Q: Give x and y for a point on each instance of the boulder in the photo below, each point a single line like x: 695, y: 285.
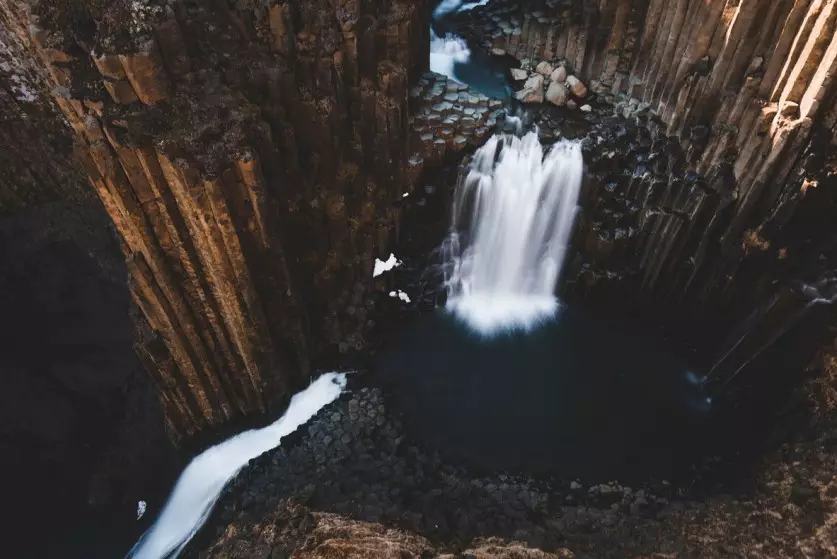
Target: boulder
x: 559, y: 74
x: 557, y: 93
x: 544, y: 68
x: 519, y: 74
x: 577, y: 86
x: 532, y: 91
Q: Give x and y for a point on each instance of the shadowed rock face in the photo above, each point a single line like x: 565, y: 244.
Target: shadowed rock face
x: 81, y: 432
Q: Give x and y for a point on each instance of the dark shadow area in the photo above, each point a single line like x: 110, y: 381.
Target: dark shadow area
x: 577, y: 397
x: 82, y: 437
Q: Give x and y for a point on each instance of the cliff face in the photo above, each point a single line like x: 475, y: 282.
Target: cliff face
x: 250, y: 154
x: 745, y: 93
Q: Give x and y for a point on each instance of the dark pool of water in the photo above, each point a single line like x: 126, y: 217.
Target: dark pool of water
x: 577, y: 397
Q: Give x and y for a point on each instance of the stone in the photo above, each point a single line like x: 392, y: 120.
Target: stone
x: 586, y: 108
x: 532, y: 91
x: 572, y: 105
x: 577, y: 86
x: 519, y: 74
x: 557, y: 94
x: 544, y: 68
x: 559, y: 74
x: 790, y: 109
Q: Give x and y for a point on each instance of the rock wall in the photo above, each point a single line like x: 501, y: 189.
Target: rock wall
x: 745, y: 88
x: 248, y: 153
x: 251, y: 154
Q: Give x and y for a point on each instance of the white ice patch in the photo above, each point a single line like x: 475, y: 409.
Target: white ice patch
x: 141, y: 508
x: 401, y: 295
x: 381, y: 266
x: 199, y: 486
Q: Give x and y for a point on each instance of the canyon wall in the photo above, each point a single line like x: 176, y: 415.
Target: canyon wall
x: 251, y: 154
x: 744, y: 88
x: 248, y: 154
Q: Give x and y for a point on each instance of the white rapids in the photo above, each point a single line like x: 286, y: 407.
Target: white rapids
x: 199, y: 486
x: 513, y: 218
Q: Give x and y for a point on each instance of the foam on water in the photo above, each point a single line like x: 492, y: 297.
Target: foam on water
x: 199, y: 486
x: 447, y: 7
x: 446, y: 52
x: 512, y: 222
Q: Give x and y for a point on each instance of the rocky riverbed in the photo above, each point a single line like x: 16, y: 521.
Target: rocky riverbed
x: 353, y: 483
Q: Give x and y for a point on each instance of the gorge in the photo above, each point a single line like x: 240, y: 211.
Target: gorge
x: 196, y: 199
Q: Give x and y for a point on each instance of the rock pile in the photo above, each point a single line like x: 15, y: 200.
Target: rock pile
x: 550, y: 82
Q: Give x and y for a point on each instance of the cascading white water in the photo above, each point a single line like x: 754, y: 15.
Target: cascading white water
x: 199, y: 486
x: 519, y: 208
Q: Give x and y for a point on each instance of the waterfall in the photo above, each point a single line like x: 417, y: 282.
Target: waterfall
x: 199, y: 486
x: 512, y: 222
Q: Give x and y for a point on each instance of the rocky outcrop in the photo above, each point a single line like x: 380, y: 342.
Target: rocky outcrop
x: 215, y: 168
x: 354, y: 483
x: 744, y: 89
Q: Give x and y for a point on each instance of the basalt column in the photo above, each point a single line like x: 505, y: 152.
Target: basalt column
x: 742, y: 90
x: 248, y: 153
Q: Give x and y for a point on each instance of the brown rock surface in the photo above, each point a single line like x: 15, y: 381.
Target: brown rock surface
x: 223, y: 163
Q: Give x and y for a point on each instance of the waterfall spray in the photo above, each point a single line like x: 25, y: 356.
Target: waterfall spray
x: 513, y: 218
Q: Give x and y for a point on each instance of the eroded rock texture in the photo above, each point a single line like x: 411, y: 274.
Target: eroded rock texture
x: 743, y: 89
x: 248, y: 154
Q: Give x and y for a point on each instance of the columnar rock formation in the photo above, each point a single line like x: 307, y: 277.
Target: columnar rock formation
x: 745, y: 88
x: 248, y: 154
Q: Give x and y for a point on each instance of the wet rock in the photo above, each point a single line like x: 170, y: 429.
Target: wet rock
x: 577, y: 86
x: 557, y: 94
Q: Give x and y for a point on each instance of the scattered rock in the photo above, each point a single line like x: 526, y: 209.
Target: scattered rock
x: 519, y: 74
x: 544, y: 68
x: 557, y: 94
x: 586, y: 108
x: 559, y: 74
x: 577, y: 86
x: 532, y: 91
x: 572, y: 105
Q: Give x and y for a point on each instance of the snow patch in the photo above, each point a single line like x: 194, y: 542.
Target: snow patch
x: 401, y: 295
x: 141, y: 508
x: 381, y: 266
